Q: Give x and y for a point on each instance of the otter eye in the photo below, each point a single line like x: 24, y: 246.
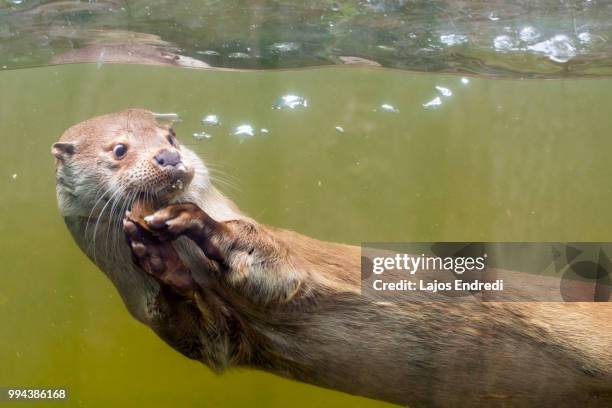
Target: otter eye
x: 120, y: 150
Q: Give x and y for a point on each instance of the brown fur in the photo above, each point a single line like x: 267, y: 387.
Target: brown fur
x: 226, y: 290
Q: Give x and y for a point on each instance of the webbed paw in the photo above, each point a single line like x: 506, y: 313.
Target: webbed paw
x: 156, y: 257
x: 188, y: 219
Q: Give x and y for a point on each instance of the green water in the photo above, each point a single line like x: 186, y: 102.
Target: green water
x: 497, y: 161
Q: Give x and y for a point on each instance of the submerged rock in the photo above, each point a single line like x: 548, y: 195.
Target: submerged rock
x: 350, y: 60
x: 126, y: 54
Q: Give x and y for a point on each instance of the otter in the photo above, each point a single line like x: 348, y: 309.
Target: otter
x: 225, y: 290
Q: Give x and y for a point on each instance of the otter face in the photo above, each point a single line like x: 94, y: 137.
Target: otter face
x: 122, y: 156
x: 152, y: 163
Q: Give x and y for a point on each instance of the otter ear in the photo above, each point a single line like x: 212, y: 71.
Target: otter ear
x: 62, y: 151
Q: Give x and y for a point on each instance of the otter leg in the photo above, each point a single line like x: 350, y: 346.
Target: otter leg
x: 191, y: 320
x: 241, y: 248
x: 158, y: 258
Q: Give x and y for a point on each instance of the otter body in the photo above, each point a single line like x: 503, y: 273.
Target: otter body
x: 225, y: 290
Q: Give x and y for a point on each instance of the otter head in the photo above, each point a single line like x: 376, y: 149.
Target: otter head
x: 105, y: 163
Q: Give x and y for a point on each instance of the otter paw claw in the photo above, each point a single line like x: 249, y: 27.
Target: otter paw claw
x: 188, y: 219
x: 157, y: 258
x: 177, y: 219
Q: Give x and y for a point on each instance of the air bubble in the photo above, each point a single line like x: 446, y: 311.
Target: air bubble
x: 283, y: 47
x: 504, y: 43
x: 339, y: 129
x: 444, y: 91
x: 558, y: 48
x: 244, y: 131
x: 208, y: 52
x: 239, y: 55
x: 465, y: 81
x: 386, y: 107
x: 202, y: 136
x: 433, y: 104
x: 385, y: 48
x: 212, y: 120
x: 585, y: 37
x: 529, y: 34
x: 453, y: 39
x: 290, y: 102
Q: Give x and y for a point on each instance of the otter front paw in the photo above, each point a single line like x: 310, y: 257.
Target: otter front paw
x: 188, y: 219
x: 157, y: 258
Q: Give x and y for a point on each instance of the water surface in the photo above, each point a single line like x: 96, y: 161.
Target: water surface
x: 509, y: 38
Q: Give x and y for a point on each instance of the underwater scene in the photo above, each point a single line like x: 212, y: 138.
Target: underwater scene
x: 348, y: 121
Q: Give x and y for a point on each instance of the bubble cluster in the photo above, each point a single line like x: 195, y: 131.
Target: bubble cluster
x: 443, y: 92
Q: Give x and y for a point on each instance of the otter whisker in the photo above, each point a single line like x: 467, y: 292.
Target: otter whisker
x: 98, y: 197
x: 91, y: 213
x: 116, y: 226
x: 111, y: 231
x: 148, y: 196
x: 109, y: 225
x: 127, y: 205
x: 217, y: 179
x: 100, y: 216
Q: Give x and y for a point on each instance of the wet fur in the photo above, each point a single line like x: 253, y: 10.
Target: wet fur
x: 291, y: 305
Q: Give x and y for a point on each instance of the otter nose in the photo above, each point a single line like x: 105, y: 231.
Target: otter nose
x: 168, y: 158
